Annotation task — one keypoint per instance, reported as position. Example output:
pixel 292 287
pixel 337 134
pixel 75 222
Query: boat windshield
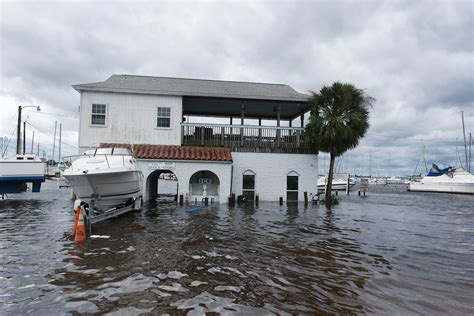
pixel 121 151
pixel 104 151
pixel 107 151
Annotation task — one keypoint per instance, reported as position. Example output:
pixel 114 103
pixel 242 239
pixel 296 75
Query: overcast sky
pixel 416 58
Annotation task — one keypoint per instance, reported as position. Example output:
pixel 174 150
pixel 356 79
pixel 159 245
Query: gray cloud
pixel 415 58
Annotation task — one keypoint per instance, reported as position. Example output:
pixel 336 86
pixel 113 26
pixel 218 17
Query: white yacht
pixel 20 169
pixel 448 180
pixel 109 177
pixel 339 182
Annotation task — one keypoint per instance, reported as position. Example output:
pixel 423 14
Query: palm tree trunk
pixel 329 184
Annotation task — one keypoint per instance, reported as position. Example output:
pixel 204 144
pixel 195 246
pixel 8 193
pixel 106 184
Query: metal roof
pixel 195 87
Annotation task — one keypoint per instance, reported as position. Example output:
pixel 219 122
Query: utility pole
pixel 24 137
pixel 32 141
pixel 54 140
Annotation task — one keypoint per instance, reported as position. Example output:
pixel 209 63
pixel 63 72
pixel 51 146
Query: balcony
pixel 246 138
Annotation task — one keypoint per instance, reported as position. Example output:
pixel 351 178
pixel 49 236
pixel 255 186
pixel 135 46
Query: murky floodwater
pixel 391 252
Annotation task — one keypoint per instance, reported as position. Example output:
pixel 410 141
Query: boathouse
pixel 214 137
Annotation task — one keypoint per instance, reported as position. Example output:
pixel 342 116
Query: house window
pixel 99 112
pixel 163 118
pixel 292 188
pixel 248 186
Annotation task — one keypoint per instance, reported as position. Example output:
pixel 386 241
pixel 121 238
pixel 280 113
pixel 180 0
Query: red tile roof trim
pixel 176 152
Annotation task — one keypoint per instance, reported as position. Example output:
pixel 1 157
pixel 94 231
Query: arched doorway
pixel 163 185
pixel 204 184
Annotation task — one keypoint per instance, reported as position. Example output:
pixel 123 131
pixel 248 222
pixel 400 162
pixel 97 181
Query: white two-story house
pixel 216 137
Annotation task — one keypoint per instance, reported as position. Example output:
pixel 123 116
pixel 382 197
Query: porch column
pixel 260 132
pixel 278 124
pixel 242 115
pixel 302 119
pixel 231 129
pixel 278 115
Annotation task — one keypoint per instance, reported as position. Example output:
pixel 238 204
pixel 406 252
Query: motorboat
pixel 17 170
pixel 339 182
pixel 448 180
pixel 105 178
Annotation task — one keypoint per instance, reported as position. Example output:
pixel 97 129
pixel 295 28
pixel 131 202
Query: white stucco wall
pixel 185 169
pixel 131 118
pixel 271 171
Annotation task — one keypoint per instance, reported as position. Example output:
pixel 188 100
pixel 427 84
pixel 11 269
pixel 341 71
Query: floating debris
pixel 100 237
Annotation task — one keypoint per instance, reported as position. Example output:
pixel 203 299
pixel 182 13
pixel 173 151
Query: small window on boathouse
pixel 248 185
pixel 292 187
pixel 163 117
pixel 99 113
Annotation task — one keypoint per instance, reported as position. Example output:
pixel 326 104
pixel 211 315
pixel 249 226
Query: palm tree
pixel 339 119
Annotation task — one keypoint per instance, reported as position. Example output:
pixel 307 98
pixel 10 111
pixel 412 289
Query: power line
pixel 42 132
pixel 53 114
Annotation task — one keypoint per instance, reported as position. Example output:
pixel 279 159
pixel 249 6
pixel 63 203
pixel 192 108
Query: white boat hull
pixel 457 181
pixel 339 182
pixel 465 188
pixel 338 186
pixel 16 170
pixel 108 189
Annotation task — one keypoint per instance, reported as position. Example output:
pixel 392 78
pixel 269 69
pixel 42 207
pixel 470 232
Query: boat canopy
pixel 435 171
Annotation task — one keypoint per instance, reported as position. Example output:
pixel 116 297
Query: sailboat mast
pixel 424 159
pixel 465 145
pixel 60 128
pixel 470 146
pixel 54 140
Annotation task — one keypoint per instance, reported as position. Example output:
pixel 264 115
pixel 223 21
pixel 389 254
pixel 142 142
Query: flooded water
pixel 392 252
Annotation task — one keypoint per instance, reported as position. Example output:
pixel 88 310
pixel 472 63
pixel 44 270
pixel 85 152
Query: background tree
pixel 339 119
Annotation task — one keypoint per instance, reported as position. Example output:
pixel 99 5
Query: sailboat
pixel 17 170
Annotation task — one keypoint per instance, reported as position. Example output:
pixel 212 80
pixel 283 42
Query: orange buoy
pixel 76 219
pixel 81 228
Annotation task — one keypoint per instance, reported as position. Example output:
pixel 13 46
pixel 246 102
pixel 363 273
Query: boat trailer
pixel 92 216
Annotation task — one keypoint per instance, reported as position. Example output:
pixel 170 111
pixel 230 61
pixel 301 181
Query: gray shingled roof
pixel 195 87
